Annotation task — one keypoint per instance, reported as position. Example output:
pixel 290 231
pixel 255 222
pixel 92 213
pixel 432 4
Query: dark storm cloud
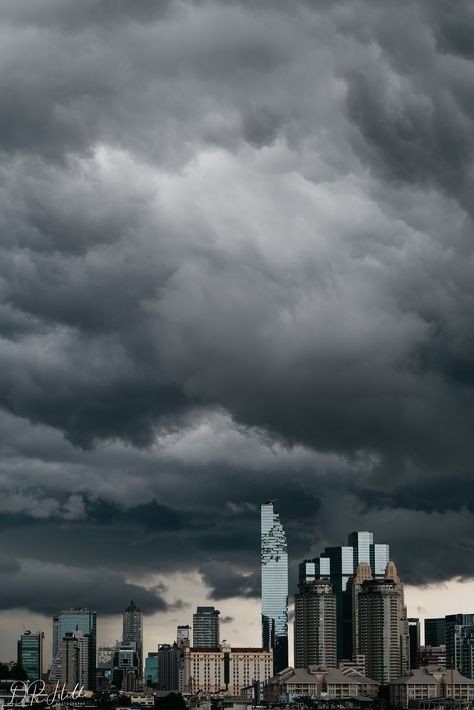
pixel 225 582
pixel 235 263
pixel 45 589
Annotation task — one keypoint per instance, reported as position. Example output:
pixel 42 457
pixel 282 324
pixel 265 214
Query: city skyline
pixel 362 551
pixel 236 265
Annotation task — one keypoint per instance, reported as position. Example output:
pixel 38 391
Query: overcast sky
pixel 236 263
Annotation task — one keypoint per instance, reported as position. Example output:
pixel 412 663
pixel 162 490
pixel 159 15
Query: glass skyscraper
pixel 30 654
pixel 274 559
pixel 339 565
pixel 84 621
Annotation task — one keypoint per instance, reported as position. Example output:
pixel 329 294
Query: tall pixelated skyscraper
pixel 274 560
pixel 133 631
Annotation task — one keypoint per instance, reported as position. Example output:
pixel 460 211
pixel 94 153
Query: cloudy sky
pixel 236 262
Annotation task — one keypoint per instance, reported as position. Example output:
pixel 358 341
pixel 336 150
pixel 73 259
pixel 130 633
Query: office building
pixel 464 649
pixel 274 562
pixel 77 620
pixel 433 684
pixel 414 633
pixel 225 669
pixel 30 654
pixel 435 632
pixel 452 621
pixel 126 674
pixel 315 625
pixel 150 676
pixel 206 627
pixel 383 627
pixel 168 667
pixel 133 631
pixel 339 564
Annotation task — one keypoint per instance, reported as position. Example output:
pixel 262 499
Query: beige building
pixel 382 628
pixel 317 682
pixel 225 669
pixel 429 683
pixel 315 625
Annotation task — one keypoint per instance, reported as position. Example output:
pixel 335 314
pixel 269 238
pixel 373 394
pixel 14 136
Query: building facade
pixel 206 627
pixel 414 633
pixel 133 631
pixel 435 632
pixel 317 682
pixel 274 581
pixel 431 684
pixel 464 649
pixel 453 624
pixel 383 627
pixel 126 674
pixel 225 669
pixel 30 654
pixel 315 625
pixel 75 659
pixel 168 667
pixel 150 676
pixel 77 620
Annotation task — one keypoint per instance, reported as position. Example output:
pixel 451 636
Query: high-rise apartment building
pixel 383 627
pixel 274 562
pixel 435 632
pixel 339 565
pixel 315 625
pixel 71 621
pixel 75 659
pixel 30 654
pixel 133 631
pixel 206 627
pixel 414 633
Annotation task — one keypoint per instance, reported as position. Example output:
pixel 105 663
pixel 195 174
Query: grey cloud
pixel 46 588
pixel 235 262
pixel 225 582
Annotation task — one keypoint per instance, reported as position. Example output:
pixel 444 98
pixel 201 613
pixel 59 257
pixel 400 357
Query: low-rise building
pixel 317 682
pixel 432 656
pixel 225 669
pixel 429 683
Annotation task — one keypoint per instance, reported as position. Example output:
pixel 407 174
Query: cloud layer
pixel 235 263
